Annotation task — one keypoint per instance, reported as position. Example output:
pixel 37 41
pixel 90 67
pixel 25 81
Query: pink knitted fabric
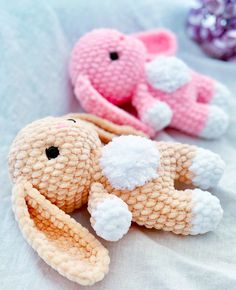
pixel 109 69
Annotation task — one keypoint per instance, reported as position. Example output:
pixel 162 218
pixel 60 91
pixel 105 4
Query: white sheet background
pixel 35 42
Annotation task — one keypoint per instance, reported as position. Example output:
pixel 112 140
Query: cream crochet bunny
pixel 59 164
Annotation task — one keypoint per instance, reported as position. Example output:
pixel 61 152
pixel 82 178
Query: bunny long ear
pixel 58 239
pixel 158 42
pixel 106 129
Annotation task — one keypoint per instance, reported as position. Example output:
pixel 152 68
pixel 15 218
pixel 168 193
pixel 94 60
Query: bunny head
pixel 56 156
pixel 114 63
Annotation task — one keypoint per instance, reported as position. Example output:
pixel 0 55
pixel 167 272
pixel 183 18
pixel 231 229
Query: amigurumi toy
pixel 136 80
pixel 59 164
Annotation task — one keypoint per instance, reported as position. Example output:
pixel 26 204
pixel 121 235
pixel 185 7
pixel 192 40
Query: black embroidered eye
pixel 52 152
pixel 114 55
pixel 71 120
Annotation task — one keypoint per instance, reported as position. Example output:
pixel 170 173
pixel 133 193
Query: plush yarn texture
pixel 125 170
pixel 111 71
pixel 59 164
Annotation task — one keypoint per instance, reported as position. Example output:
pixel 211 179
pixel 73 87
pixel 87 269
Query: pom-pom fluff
pixel 130 161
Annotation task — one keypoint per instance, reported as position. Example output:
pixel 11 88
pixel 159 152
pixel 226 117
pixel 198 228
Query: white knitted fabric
pixel 206 212
pixel 216 124
pixel 158 116
pixel 207 167
pixel 221 96
pixel 167 73
pixel 113 219
pixel 130 161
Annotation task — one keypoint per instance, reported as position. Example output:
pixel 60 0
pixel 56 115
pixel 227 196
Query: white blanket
pixel 35 42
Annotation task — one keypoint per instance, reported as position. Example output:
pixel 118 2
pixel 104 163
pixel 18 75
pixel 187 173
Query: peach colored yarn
pixel 103 86
pixel 45 190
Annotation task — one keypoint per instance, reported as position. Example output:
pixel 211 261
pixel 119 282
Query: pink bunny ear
pixel 160 41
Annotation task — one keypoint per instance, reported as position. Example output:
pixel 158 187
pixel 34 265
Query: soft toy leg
pixel 201 120
pixel 151 111
pixel 110 216
pixel 212 92
pixel 186 212
pixel 198 166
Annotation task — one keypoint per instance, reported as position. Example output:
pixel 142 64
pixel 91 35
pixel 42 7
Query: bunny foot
pixel 216 124
pixel 207 168
pixel 206 212
pixel 221 96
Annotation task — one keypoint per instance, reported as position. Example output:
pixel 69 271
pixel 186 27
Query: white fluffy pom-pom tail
pixel 130 161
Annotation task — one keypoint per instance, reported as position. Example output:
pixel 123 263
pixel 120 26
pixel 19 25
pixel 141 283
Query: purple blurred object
pixel 212 24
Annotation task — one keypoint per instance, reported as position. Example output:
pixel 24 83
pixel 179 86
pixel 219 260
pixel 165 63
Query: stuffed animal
pixel 136 80
pixel 59 164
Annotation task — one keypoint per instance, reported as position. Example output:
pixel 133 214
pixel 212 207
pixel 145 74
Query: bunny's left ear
pixel 106 130
pixel 160 41
pixel 59 240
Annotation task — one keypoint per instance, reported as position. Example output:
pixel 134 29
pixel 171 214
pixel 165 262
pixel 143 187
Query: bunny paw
pixel 158 116
pixel 112 219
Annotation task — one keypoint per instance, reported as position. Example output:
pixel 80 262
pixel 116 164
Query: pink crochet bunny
pixel 111 71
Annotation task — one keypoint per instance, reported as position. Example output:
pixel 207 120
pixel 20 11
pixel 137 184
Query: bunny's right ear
pixel 106 130
pixel 58 239
pixel 158 42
